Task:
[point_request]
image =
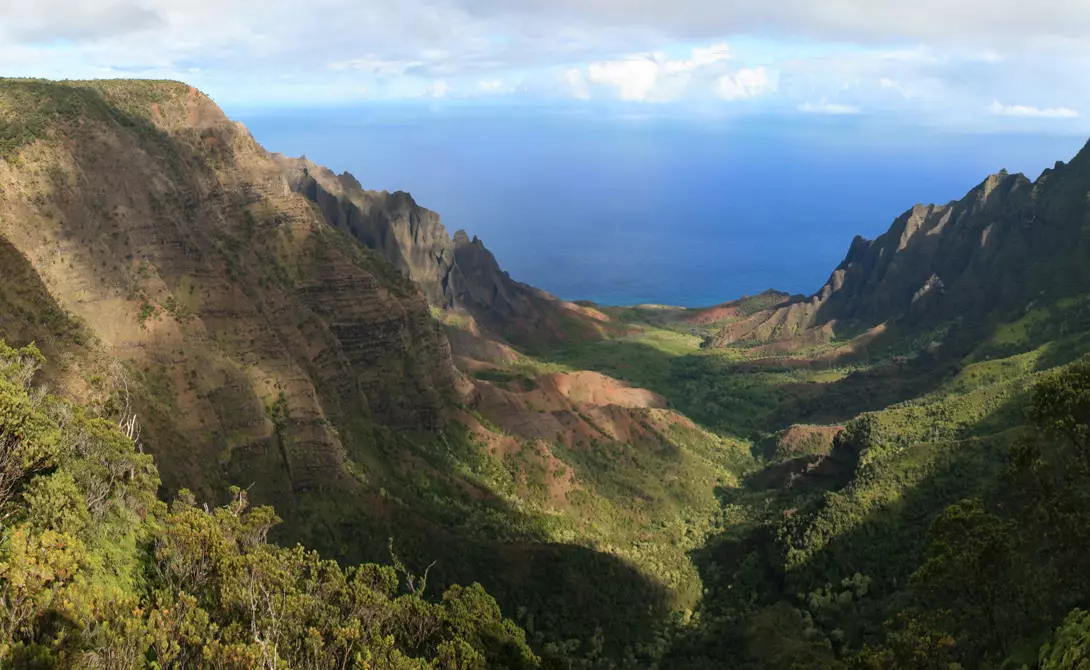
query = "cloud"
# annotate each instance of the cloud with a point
(883, 56)
(634, 78)
(377, 66)
(1000, 109)
(51, 20)
(438, 89)
(576, 84)
(824, 107)
(656, 77)
(432, 23)
(490, 85)
(700, 57)
(870, 22)
(744, 84)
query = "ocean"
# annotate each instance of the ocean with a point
(627, 206)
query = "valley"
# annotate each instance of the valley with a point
(759, 484)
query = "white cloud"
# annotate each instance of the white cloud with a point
(744, 84)
(429, 24)
(825, 107)
(438, 89)
(907, 89)
(377, 66)
(999, 109)
(576, 84)
(655, 77)
(48, 20)
(490, 85)
(884, 56)
(995, 23)
(700, 57)
(634, 78)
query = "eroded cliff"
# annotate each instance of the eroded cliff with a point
(456, 272)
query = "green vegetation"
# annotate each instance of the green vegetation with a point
(95, 572)
(30, 108)
(945, 526)
(863, 557)
(725, 390)
(940, 530)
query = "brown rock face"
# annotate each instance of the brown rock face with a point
(261, 345)
(454, 273)
(1007, 243)
(412, 238)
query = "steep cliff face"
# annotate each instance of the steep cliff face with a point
(259, 344)
(454, 273)
(412, 238)
(1006, 244)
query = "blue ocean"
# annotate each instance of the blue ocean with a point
(625, 207)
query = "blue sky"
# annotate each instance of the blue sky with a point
(969, 64)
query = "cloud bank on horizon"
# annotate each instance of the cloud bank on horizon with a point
(1006, 62)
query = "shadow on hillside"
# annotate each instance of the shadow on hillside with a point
(1065, 351)
(28, 312)
(745, 397)
(561, 591)
(95, 218)
(829, 539)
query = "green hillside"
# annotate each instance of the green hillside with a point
(95, 572)
(887, 474)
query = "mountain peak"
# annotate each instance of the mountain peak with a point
(856, 251)
(1084, 154)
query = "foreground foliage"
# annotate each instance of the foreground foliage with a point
(95, 572)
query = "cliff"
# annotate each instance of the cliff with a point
(259, 344)
(453, 272)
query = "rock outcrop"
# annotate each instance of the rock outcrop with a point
(456, 272)
(411, 237)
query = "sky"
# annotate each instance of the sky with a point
(1005, 65)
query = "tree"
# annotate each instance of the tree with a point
(970, 570)
(1060, 407)
(1069, 648)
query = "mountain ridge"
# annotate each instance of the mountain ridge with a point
(933, 262)
(183, 248)
(454, 271)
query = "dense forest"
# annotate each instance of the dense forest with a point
(997, 579)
